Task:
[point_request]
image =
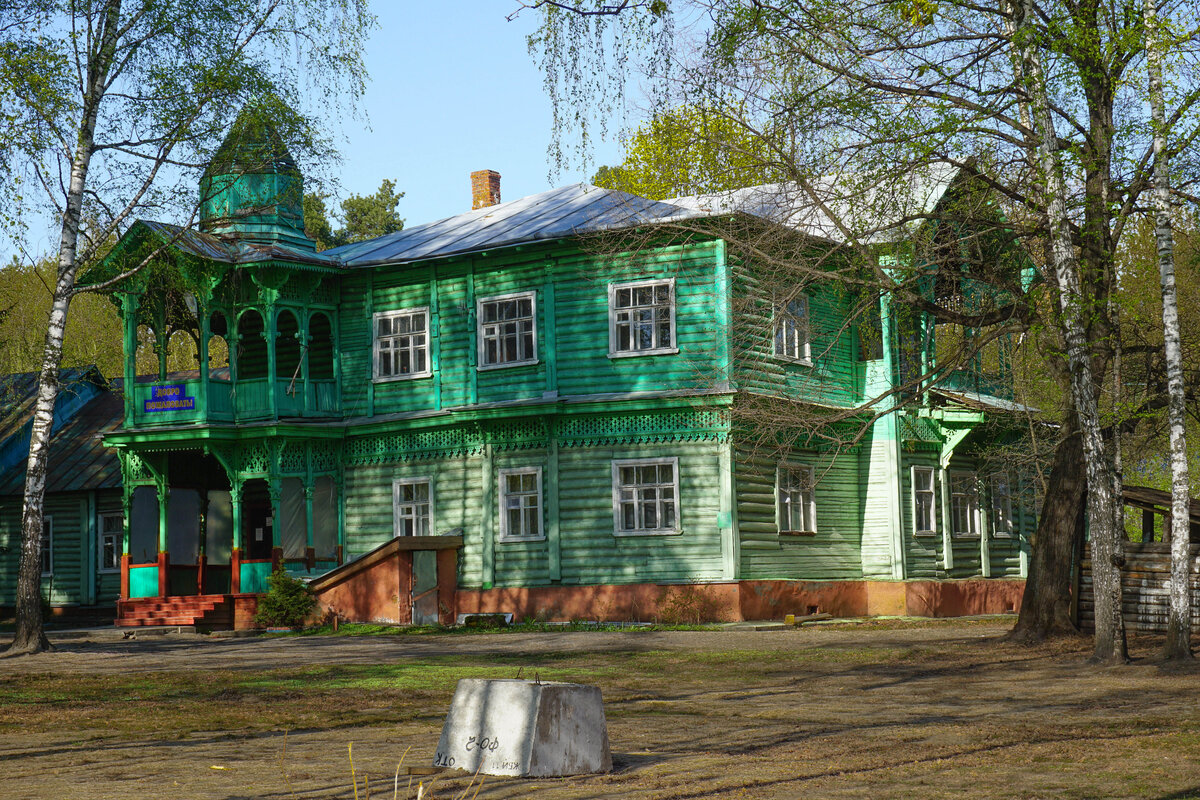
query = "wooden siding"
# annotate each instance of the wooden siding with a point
(833, 554)
(1145, 597)
(75, 550)
(923, 555)
(831, 378)
(590, 552)
(572, 322)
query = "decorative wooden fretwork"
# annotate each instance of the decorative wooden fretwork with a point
(294, 460)
(326, 456)
(676, 426)
(518, 435)
(440, 443)
(255, 459)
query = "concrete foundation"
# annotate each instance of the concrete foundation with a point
(524, 729)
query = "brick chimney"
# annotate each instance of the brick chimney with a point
(485, 189)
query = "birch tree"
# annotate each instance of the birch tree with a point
(1178, 644)
(115, 107)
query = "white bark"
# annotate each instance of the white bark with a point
(30, 634)
(1107, 552)
(1179, 616)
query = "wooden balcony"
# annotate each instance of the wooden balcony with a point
(194, 401)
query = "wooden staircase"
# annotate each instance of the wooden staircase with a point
(205, 612)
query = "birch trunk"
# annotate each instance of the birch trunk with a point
(1178, 644)
(30, 634)
(1107, 553)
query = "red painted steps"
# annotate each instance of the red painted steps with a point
(211, 611)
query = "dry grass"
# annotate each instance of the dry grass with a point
(933, 711)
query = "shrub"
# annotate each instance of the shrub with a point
(287, 604)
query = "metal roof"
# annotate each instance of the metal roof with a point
(79, 460)
(233, 251)
(554, 214)
(833, 207)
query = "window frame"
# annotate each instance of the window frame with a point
(613, 288)
(780, 317)
(972, 496)
(502, 495)
(396, 484)
(480, 349)
(100, 534)
(375, 342)
(810, 511)
(1012, 529)
(47, 545)
(617, 465)
(933, 499)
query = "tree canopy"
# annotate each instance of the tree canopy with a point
(365, 217)
(690, 150)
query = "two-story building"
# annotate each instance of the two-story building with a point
(496, 412)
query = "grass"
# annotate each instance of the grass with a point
(529, 626)
(849, 712)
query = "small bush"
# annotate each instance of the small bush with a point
(287, 604)
(687, 607)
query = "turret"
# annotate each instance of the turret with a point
(252, 188)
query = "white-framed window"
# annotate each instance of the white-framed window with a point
(1003, 525)
(797, 504)
(402, 344)
(112, 531)
(964, 504)
(412, 507)
(47, 545)
(507, 330)
(792, 330)
(924, 503)
(641, 318)
(646, 496)
(521, 504)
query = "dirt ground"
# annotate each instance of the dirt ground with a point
(934, 710)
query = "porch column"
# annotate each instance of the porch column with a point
(309, 401)
(269, 331)
(310, 551)
(127, 509)
(164, 558)
(202, 354)
(202, 545)
(275, 490)
(338, 486)
(129, 307)
(235, 553)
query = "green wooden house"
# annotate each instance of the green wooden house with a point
(83, 523)
(496, 413)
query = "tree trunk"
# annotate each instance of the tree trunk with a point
(1046, 604)
(1107, 550)
(1178, 644)
(30, 636)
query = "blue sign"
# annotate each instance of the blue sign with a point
(169, 397)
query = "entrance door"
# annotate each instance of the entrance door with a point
(424, 587)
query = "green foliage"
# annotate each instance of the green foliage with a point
(287, 604)
(93, 334)
(690, 150)
(365, 216)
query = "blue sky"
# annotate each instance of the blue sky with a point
(453, 89)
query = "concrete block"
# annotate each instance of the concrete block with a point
(525, 728)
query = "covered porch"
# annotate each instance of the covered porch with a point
(213, 521)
